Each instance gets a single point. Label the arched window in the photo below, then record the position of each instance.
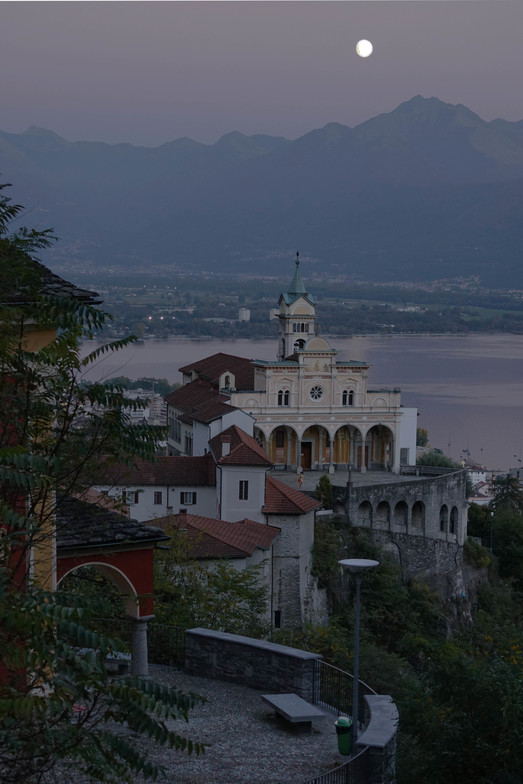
(454, 516)
(283, 397)
(280, 438)
(347, 398)
(418, 515)
(227, 382)
(443, 518)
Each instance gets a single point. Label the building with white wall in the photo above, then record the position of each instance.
(309, 409)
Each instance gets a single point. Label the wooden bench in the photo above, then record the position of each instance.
(294, 709)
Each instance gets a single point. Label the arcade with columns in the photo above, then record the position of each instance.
(317, 412)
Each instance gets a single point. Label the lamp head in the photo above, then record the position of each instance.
(357, 565)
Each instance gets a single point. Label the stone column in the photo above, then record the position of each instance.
(331, 455)
(139, 656)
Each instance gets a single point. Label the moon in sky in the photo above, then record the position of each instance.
(364, 48)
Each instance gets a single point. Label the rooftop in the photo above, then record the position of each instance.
(243, 450)
(81, 525)
(211, 368)
(166, 470)
(211, 538)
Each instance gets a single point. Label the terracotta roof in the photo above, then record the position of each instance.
(179, 470)
(200, 400)
(23, 280)
(212, 538)
(244, 449)
(81, 525)
(92, 496)
(211, 368)
(282, 499)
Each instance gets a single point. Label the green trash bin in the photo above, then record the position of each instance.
(344, 732)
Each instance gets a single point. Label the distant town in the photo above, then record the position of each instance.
(153, 305)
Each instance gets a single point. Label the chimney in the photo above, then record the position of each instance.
(226, 445)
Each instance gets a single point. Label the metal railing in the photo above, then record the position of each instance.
(332, 689)
(355, 771)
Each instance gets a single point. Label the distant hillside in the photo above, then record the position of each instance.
(429, 190)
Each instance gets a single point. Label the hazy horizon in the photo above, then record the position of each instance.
(150, 73)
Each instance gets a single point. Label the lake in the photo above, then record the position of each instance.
(468, 389)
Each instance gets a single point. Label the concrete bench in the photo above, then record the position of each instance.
(294, 709)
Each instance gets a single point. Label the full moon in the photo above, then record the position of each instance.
(364, 48)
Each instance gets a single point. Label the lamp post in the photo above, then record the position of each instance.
(357, 567)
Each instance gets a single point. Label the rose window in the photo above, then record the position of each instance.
(316, 393)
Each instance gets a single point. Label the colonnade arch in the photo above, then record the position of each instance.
(319, 447)
(399, 515)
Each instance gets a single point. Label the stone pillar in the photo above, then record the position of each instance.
(139, 656)
(331, 456)
(298, 452)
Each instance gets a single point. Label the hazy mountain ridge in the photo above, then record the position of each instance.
(425, 191)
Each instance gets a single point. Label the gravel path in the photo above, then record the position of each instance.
(247, 744)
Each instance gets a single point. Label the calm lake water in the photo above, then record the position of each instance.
(468, 389)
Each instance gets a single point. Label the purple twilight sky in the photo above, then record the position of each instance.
(151, 72)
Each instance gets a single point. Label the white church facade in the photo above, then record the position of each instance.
(310, 410)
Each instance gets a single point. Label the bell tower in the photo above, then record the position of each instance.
(297, 316)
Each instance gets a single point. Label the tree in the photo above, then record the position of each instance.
(507, 494)
(193, 592)
(323, 492)
(58, 705)
(422, 437)
(436, 458)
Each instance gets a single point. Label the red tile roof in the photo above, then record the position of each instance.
(211, 368)
(282, 499)
(200, 400)
(180, 470)
(244, 449)
(212, 538)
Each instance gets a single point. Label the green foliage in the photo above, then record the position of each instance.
(422, 436)
(57, 704)
(328, 549)
(212, 594)
(436, 458)
(507, 494)
(475, 554)
(459, 697)
(323, 492)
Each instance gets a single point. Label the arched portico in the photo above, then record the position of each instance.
(316, 448)
(348, 443)
(282, 446)
(379, 448)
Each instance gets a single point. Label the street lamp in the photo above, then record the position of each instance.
(357, 567)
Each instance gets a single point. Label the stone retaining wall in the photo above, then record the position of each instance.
(255, 663)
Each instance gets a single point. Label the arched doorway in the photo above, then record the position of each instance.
(348, 445)
(281, 446)
(380, 452)
(315, 448)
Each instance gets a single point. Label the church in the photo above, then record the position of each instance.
(307, 409)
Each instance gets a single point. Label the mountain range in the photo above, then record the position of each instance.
(426, 191)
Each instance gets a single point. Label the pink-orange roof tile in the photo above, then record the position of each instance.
(211, 368)
(218, 538)
(200, 400)
(282, 499)
(169, 470)
(244, 449)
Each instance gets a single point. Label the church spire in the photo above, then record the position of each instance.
(297, 286)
